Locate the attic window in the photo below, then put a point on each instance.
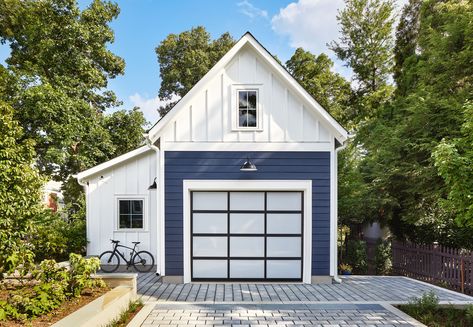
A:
(247, 108)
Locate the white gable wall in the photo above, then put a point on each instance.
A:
(207, 116)
(129, 179)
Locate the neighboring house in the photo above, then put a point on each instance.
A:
(213, 215)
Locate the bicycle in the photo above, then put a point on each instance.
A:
(143, 261)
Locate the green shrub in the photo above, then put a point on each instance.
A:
(356, 256)
(424, 306)
(469, 313)
(51, 286)
(383, 258)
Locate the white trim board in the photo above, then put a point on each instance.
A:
(252, 185)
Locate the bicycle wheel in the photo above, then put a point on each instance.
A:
(109, 261)
(143, 261)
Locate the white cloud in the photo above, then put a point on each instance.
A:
(149, 106)
(309, 24)
(248, 9)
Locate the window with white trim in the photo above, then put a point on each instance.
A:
(130, 213)
(247, 108)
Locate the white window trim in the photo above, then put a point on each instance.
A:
(252, 185)
(235, 108)
(116, 213)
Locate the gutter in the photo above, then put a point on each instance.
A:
(337, 279)
(150, 144)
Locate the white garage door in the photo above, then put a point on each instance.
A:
(246, 235)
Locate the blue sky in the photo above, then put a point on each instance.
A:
(280, 25)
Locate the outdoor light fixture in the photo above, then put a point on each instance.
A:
(248, 166)
(153, 186)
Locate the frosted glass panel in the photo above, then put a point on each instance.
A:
(246, 246)
(283, 269)
(247, 223)
(284, 223)
(284, 200)
(284, 247)
(247, 201)
(209, 201)
(209, 222)
(246, 269)
(209, 269)
(209, 246)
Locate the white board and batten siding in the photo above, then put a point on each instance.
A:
(127, 180)
(206, 119)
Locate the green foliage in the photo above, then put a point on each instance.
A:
(454, 160)
(185, 58)
(356, 256)
(383, 258)
(53, 285)
(124, 317)
(330, 89)
(20, 192)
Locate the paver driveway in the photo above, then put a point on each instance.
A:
(358, 301)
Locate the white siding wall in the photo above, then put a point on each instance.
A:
(128, 179)
(207, 117)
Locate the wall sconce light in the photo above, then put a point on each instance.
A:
(248, 166)
(154, 185)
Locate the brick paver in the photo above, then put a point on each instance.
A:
(167, 314)
(354, 289)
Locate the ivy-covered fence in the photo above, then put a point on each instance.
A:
(444, 266)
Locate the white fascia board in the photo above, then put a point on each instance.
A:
(115, 161)
(339, 132)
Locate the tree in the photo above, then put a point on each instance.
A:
(366, 44)
(185, 58)
(20, 191)
(60, 61)
(330, 89)
(454, 161)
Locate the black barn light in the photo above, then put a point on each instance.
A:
(153, 186)
(248, 166)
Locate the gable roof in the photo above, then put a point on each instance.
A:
(339, 132)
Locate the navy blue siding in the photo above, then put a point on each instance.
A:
(226, 165)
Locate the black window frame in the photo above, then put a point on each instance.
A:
(131, 214)
(247, 109)
(228, 234)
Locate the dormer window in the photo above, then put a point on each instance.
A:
(247, 108)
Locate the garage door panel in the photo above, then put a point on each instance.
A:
(283, 247)
(284, 201)
(283, 269)
(246, 235)
(284, 223)
(209, 201)
(204, 246)
(247, 247)
(209, 268)
(246, 200)
(247, 269)
(209, 223)
(246, 223)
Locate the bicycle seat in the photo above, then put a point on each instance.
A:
(115, 241)
(136, 242)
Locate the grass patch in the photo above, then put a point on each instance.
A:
(428, 311)
(127, 315)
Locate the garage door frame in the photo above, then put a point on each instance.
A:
(304, 186)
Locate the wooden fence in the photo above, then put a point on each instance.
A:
(452, 268)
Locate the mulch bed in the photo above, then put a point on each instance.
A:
(64, 310)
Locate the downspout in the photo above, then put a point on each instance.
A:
(150, 144)
(84, 186)
(340, 148)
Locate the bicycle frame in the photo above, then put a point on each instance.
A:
(115, 250)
